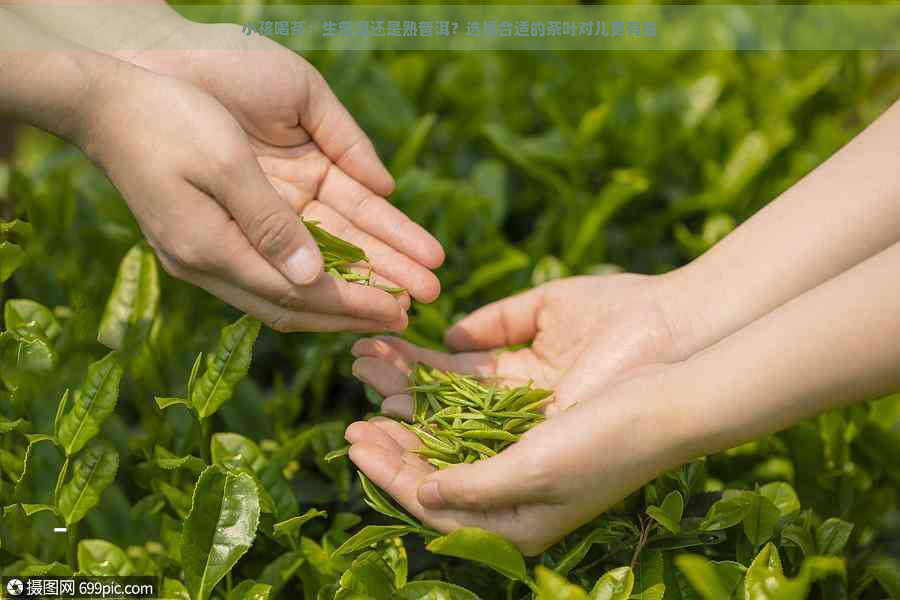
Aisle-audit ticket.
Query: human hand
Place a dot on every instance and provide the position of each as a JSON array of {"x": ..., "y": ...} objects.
[
  {"x": 558, "y": 476},
  {"x": 306, "y": 142},
  {"x": 190, "y": 176},
  {"x": 585, "y": 333}
]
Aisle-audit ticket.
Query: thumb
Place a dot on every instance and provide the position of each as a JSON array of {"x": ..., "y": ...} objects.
[
  {"x": 268, "y": 220},
  {"x": 494, "y": 483}
]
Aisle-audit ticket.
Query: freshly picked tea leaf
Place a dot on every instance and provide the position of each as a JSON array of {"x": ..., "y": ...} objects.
[
  {"x": 340, "y": 256},
  {"x": 461, "y": 419}
]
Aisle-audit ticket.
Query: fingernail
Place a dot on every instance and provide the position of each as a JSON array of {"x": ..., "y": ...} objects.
[
  {"x": 430, "y": 495},
  {"x": 302, "y": 267}
]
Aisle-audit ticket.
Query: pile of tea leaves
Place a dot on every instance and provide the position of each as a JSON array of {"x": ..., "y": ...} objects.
[
  {"x": 462, "y": 419},
  {"x": 340, "y": 257}
]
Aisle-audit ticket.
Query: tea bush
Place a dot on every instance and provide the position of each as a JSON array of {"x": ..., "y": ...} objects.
[{"x": 527, "y": 166}]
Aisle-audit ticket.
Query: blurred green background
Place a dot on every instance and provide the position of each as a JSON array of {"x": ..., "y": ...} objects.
[{"x": 526, "y": 165}]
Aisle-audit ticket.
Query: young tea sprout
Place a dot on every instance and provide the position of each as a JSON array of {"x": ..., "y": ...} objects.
[
  {"x": 340, "y": 256},
  {"x": 461, "y": 419}
]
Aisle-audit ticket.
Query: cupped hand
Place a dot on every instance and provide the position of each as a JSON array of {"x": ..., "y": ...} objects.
[
  {"x": 560, "y": 475},
  {"x": 192, "y": 179},
  {"x": 308, "y": 144},
  {"x": 584, "y": 333}
]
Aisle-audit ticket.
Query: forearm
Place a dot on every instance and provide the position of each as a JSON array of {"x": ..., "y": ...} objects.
[
  {"x": 130, "y": 31},
  {"x": 48, "y": 82},
  {"x": 843, "y": 212},
  {"x": 834, "y": 345}
]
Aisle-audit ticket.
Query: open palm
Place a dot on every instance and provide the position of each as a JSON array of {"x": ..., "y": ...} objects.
[
  {"x": 309, "y": 146},
  {"x": 607, "y": 327}
]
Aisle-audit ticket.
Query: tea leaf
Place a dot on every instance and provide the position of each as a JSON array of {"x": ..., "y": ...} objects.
[
  {"x": 93, "y": 402},
  {"x": 760, "y": 521},
  {"x": 92, "y": 472},
  {"x": 294, "y": 523},
  {"x": 832, "y": 535},
  {"x": 99, "y": 557},
  {"x": 702, "y": 576},
  {"x": 433, "y": 590},
  {"x": 133, "y": 303},
  {"x": 250, "y": 590},
  {"x": 277, "y": 573},
  {"x": 615, "y": 584},
  {"x": 370, "y": 535},
  {"x": 219, "y": 529},
  {"x": 482, "y": 546},
  {"x": 782, "y": 495},
  {"x": 552, "y": 586},
  {"x": 27, "y": 315},
  {"x": 226, "y": 366},
  {"x": 728, "y": 512}
]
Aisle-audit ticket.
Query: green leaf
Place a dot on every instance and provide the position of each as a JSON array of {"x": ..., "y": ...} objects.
[
  {"x": 225, "y": 367},
  {"x": 240, "y": 454},
  {"x": 93, "y": 402},
  {"x": 379, "y": 503},
  {"x": 165, "y": 402},
  {"x": 800, "y": 537},
  {"x": 765, "y": 578},
  {"x": 134, "y": 300},
  {"x": 552, "y": 586},
  {"x": 369, "y": 535},
  {"x": 32, "y": 509},
  {"x": 728, "y": 512},
  {"x": 335, "y": 454},
  {"x": 236, "y": 452},
  {"x": 250, "y": 590},
  {"x": 27, "y": 315},
  {"x": 760, "y": 521},
  {"x": 219, "y": 529},
  {"x": 832, "y": 535},
  {"x": 886, "y": 572},
  {"x": 294, "y": 523},
  {"x": 669, "y": 513},
  {"x": 577, "y": 552},
  {"x": 11, "y": 258},
  {"x": 174, "y": 590},
  {"x": 702, "y": 576},
  {"x": 369, "y": 575},
  {"x": 99, "y": 557},
  {"x": 482, "y": 546},
  {"x": 60, "y": 412},
  {"x": 93, "y": 471},
  {"x": 277, "y": 573},
  {"x": 7, "y": 426},
  {"x": 782, "y": 495},
  {"x": 648, "y": 578},
  {"x": 615, "y": 584},
  {"x": 433, "y": 590},
  {"x": 405, "y": 157},
  {"x": 169, "y": 461}
]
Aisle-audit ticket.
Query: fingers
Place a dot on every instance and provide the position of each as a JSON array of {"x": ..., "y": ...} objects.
[
  {"x": 495, "y": 483},
  {"x": 224, "y": 252},
  {"x": 384, "y": 259},
  {"x": 376, "y": 216},
  {"x": 340, "y": 138},
  {"x": 267, "y": 220},
  {"x": 513, "y": 320},
  {"x": 403, "y": 354},
  {"x": 399, "y": 406},
  {"x": 277, "y": 317}
]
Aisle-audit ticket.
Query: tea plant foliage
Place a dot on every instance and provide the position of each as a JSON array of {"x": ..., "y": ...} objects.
[{"x": 178, "y": 439}]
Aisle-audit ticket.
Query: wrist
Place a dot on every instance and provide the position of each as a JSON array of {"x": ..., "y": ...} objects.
[{"x": 683, "y": 297}]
